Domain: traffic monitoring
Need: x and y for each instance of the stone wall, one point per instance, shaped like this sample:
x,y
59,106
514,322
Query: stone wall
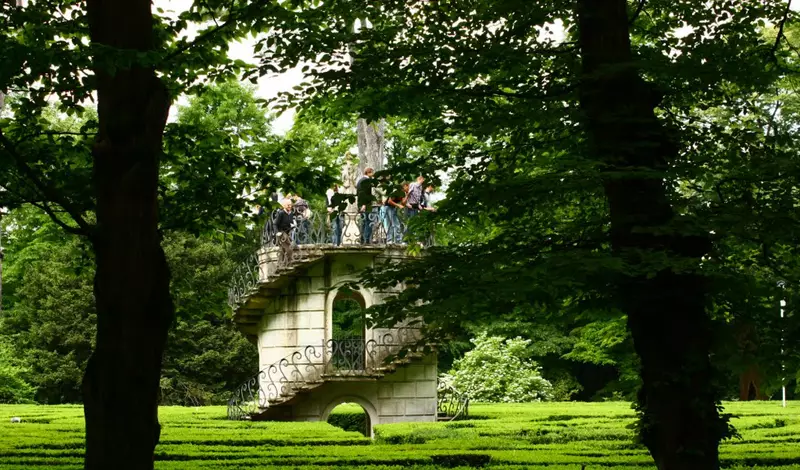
x,y
301,315
294,319
407,395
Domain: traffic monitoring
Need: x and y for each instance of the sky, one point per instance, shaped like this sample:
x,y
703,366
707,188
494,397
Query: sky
x,y
267,87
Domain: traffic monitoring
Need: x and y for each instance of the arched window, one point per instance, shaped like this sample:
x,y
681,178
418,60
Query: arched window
x,y
348,315
347,344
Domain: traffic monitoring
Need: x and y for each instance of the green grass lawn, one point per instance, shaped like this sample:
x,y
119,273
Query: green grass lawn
x,y
555,436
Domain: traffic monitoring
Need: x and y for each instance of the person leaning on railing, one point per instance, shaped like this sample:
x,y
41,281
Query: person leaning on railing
x,y
394,203
284,224
426,203
378,213
336,201
366,204
414,197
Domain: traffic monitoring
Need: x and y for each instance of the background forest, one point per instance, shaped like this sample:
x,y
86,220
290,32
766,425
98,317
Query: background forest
x,y
48,323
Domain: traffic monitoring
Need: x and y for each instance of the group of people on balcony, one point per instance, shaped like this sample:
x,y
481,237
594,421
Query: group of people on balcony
x,y
380,205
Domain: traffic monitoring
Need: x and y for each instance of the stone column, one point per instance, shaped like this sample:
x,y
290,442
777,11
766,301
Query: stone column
x,y
351,232
371,144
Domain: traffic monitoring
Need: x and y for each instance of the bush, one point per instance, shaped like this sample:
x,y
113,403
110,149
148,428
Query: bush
x,y
565,386
350,420
13,388
499,370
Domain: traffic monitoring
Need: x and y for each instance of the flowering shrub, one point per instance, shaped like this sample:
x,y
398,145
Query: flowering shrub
x,y
499,370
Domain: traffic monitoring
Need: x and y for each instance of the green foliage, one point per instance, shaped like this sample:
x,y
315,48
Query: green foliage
x,y
225,135
608,343
347,319
564,386
13,387
315,145
499,370
49,318
206,357
49,313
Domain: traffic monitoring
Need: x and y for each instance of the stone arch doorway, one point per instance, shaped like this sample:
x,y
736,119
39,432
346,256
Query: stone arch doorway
x,y
370,413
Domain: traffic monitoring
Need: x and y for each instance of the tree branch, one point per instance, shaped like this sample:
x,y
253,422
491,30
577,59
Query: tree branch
x,y
82,134
233,18
50,212
771,122
47,191
212,17
638,11
493,93
780,26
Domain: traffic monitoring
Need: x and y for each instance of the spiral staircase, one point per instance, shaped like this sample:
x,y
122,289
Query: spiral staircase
x,y
316,367
269,394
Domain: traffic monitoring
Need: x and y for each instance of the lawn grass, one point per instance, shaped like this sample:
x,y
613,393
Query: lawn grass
x,y
553,436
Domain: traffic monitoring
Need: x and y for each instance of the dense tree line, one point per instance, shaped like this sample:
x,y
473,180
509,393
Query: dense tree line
x,y
49,320
48,324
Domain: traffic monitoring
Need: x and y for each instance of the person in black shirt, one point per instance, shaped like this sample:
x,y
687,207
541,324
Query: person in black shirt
x,y
284,224
365,199
336,204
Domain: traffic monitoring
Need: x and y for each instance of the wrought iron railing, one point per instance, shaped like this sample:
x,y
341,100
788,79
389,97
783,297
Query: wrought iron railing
x,y
380,227
350,354
310,366
245,280
451,404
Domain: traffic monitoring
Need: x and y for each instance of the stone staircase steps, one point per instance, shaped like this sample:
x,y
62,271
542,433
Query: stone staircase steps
x,y
276,405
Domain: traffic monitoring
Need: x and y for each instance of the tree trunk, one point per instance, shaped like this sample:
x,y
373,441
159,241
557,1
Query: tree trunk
x,y
370,144
750,384
679,420
1,273
134,309
750,377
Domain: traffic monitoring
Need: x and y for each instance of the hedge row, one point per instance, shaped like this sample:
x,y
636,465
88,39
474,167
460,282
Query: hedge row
x,y
555,436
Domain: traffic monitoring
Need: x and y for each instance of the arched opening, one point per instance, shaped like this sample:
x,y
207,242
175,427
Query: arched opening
x,y
348,331
351,417
352,413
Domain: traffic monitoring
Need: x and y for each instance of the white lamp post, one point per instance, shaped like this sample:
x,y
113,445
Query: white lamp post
x,y
782,285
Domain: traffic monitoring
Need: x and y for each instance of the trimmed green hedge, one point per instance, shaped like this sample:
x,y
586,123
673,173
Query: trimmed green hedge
x,y
350,419
552,436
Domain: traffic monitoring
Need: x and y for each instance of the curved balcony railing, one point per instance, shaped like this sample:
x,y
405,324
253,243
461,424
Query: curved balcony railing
x,y
451,404
379,227
312,365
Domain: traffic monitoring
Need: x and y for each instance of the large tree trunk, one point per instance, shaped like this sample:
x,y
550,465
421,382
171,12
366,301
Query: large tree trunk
x,y
134,309
370,144
680,423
